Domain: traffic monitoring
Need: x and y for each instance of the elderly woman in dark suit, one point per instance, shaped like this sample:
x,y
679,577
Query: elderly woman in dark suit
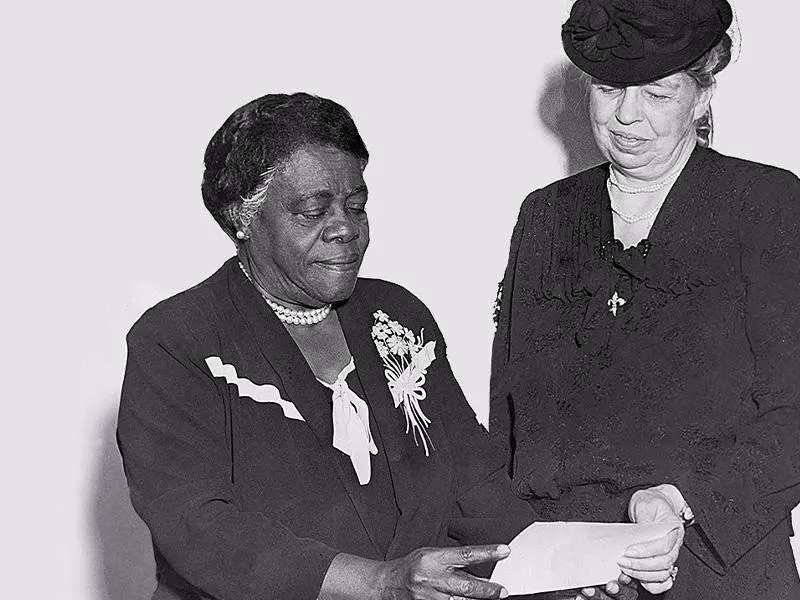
x,y
649,330
292,431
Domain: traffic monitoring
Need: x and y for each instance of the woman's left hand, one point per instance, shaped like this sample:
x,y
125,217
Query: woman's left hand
x,y
653,563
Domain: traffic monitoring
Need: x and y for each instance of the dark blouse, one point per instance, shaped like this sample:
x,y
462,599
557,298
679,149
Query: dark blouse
x,y
694,380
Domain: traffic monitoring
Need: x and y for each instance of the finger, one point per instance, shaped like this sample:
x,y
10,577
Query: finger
x,y
655,563
649,576
462,584
656,547
436,595
612,587
593,594
659,563
462,556
624,579
658,588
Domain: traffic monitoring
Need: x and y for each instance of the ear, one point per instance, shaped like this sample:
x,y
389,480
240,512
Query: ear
x,y
241,234
704,101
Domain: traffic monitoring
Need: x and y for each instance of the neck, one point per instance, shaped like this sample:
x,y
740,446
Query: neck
x,y
257,278
673,166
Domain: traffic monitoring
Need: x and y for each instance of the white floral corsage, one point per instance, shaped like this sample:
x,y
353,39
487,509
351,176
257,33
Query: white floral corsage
x,y
407,358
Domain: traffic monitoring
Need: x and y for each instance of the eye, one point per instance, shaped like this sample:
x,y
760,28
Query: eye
x,y
656,95
607,90
313,215
357,202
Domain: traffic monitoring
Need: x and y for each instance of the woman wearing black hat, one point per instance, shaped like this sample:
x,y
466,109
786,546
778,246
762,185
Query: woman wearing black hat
x,y
648,330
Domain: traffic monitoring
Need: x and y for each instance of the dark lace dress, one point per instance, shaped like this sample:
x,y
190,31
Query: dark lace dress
x,y
676,361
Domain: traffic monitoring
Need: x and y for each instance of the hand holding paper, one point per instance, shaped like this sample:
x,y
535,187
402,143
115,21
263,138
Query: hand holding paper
x,y
433,572
659,504
557,556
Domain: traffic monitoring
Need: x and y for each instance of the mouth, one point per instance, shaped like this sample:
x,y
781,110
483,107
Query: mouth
x,y
627,139
343,263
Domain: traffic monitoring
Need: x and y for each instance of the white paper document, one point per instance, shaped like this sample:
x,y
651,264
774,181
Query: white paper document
x,y
557,556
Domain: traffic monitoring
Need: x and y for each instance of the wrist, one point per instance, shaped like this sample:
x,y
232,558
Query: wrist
x,y
353,577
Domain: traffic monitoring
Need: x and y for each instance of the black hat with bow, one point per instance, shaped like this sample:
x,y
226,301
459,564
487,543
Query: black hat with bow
x,y
632,42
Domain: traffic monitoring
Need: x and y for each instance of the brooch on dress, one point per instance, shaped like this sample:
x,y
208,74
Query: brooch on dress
x,y
615,302
406,357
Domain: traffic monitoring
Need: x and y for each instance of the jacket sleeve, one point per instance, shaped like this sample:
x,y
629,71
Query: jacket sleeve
x,y
500,405
172,437
740,503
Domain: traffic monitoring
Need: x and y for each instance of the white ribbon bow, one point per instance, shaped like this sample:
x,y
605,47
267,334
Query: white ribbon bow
x,y
351,433
406,388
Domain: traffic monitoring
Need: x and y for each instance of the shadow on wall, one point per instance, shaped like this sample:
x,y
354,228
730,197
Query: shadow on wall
x,y
563,108
124,564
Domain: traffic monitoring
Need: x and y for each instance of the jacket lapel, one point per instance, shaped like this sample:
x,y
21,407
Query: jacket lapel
x,y
422,489
298,381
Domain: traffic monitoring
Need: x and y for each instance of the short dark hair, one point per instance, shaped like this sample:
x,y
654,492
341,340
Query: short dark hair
x,y
262,133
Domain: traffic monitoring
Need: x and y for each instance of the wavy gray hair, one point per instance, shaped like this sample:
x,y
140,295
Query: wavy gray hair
x,y
703,72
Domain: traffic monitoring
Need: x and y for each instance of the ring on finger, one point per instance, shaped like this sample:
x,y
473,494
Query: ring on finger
x,y
673,572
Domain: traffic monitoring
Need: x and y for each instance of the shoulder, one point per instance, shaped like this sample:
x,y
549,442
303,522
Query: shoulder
x,y
744,175
759,195
762,201
184,315
567,190
399,304
379,294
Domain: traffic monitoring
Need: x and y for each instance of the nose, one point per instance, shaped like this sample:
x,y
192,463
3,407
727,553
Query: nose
x,y
341,229
628,109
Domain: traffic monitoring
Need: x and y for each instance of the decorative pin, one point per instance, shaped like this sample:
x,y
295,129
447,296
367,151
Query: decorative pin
x,y
615,302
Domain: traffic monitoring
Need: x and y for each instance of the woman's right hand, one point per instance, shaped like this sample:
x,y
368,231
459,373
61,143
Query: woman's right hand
x,y
653,563
436,574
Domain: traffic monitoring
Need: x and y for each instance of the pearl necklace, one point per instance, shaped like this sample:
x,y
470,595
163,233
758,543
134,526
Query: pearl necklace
x,y
645,189
289,315
631,219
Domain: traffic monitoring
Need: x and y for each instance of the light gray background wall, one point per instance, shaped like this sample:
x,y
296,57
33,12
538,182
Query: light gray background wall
x,y
107,108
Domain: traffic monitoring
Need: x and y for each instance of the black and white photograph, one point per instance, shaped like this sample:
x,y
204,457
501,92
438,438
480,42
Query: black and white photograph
x,y
421,301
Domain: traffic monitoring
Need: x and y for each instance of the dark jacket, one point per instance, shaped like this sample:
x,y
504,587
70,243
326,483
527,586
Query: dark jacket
x,y
695,381
245,503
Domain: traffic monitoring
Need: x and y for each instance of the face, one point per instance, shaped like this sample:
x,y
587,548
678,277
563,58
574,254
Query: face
x,y
643,130
308,240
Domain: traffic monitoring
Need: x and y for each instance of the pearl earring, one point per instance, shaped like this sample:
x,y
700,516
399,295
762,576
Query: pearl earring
x,y
240,235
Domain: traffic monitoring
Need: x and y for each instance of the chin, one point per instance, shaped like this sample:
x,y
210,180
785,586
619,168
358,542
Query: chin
x,y
628,160
338,290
